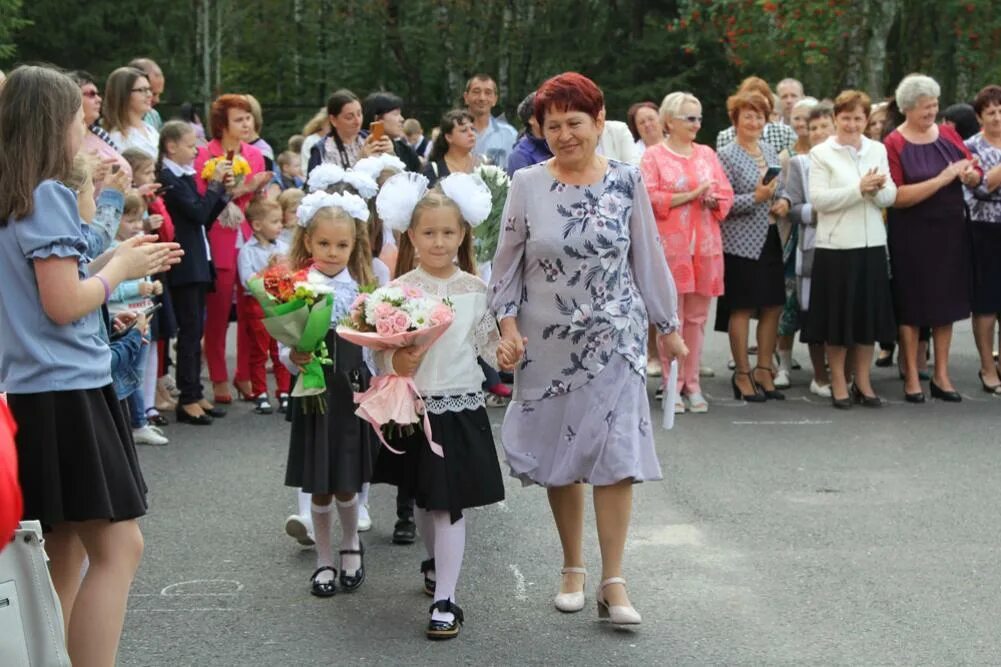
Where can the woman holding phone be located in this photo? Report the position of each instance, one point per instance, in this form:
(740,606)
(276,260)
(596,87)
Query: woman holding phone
(753,273)
(346,144)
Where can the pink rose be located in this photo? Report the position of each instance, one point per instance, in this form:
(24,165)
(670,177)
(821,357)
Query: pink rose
(441,314)
(384,326)
(412,292)
(401,322)
(384,310)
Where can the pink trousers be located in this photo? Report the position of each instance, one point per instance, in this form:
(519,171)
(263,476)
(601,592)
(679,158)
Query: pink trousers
(693,311)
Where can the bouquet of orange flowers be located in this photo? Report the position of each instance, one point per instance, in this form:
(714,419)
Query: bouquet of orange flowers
(297,310)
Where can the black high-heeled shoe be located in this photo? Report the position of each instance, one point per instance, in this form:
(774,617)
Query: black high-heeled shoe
(756,397)
(942,394)
(350,583)
(429,584)
(841,403)
(442,629)
(184,417)
(865,401)
(770,394)
(918,397)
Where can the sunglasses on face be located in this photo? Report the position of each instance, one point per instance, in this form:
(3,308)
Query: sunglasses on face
(90,94)
(691,119)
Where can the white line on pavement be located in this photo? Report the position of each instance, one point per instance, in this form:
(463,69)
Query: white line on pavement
(520,592)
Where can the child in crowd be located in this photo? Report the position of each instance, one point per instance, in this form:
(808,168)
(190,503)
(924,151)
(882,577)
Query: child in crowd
(435,232)
(289,172)
(261,251)
(820,125)
(289,200)
(137,296)
(159,390)
(414,133)
(330,454)
(192,214)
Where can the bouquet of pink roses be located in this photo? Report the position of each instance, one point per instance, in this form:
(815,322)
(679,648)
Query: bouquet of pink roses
(388,318)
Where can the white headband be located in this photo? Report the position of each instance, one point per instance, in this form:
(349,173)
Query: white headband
(375,165)
(351,204)
(327,174)
(400,194)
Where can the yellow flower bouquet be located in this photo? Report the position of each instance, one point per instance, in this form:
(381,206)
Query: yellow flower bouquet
(241,168)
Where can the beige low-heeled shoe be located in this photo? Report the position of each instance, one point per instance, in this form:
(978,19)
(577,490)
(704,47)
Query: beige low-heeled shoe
(616,614)
(571,602)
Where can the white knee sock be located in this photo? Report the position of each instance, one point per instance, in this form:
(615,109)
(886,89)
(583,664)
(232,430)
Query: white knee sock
(363,494)
(348,513)
(322,523)
(449,547)
(149,378)
(425,526)
(785,360)
(305,501)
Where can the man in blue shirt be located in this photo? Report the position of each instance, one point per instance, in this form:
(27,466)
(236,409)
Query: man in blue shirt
(494,136)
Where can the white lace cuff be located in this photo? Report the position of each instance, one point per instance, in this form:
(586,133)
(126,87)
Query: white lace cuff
(438,405)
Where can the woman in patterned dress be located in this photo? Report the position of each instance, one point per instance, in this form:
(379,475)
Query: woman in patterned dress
(577,271)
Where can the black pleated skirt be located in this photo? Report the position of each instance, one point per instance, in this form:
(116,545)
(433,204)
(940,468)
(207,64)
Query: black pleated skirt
(76,458)
(333,452)
(469,475)
(750,284)
(986,244)
(851,302)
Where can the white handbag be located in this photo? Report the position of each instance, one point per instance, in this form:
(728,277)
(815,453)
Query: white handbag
(31,620)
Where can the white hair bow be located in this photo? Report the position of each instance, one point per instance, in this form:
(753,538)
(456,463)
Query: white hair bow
(471,194)
(351,204)
(375,165)
(398,198)
(325,175)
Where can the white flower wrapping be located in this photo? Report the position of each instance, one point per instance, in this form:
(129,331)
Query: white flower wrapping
(315,284)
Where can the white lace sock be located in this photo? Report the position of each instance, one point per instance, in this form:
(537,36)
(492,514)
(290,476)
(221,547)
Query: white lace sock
(425,526)
(348,513)
(305,502)
(363,494)
(785,360)
(449,547)
(322,523)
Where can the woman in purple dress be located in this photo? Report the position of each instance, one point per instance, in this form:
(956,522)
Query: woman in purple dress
(579,271)
(929,245)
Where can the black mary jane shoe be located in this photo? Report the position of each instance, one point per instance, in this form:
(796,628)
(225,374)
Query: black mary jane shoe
(841,403)
(215,412)
(441,629)
(942,394)
(350,583)
(323,589)
(405,531)
(183,417)
(917,397)
(770,394)
(429,584)
(156,419)
(863,400)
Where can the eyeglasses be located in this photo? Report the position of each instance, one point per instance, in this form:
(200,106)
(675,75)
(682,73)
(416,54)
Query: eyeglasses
(691,119)
(144,91)
(90,94)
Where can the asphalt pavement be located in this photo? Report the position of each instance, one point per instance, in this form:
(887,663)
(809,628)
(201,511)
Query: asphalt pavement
(784,533)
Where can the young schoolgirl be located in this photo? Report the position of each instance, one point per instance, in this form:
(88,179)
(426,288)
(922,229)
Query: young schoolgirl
(437,229)
(193,214)
(289,200)
(79,472)
(330,454)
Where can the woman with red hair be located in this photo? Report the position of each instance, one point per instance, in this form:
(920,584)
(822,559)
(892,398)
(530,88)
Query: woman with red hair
(232,124)
(581,294)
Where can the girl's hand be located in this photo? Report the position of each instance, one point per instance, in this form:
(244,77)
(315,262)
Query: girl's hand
(118,181)
(145,289)
(148,191)
(300,359)
(157,288)
(123,320)
(673,346)
(509,354)
(154,222)
(406,360)
(141,257)
(142,323)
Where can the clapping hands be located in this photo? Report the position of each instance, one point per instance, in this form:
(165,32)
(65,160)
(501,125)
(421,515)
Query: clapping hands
(872,182)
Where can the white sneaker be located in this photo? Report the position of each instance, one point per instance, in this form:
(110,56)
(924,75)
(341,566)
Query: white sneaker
(822,390)
(654,368)
(782,379)
(706,372)
(364,520)
(679,406)
(300,529)
(147,436)
(698,404)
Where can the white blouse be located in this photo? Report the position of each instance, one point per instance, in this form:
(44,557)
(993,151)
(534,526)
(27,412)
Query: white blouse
(145,138)
(449,377)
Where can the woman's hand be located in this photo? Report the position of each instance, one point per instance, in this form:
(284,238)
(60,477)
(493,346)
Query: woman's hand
(141,257)
(970,176)
(763,193)
(780,209)
(871,182)
(673,346)
(146,289)
(406,360)
(252,183)
(373,146)
(118,181)
(953,171)
(300,359)
(509,354)
(223,169)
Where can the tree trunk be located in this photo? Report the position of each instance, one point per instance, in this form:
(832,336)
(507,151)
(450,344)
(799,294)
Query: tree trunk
(883,14)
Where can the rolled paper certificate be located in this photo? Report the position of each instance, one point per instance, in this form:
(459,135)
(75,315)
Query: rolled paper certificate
(670,396)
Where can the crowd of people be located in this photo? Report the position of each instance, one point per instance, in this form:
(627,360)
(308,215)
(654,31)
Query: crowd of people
(128,245)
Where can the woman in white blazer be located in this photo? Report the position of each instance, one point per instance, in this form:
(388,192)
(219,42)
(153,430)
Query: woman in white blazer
(851,303)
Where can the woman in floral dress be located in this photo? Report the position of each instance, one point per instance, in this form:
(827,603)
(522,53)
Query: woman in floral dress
(576,273)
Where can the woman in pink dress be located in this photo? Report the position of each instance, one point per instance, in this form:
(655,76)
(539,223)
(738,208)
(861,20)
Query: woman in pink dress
(690,196)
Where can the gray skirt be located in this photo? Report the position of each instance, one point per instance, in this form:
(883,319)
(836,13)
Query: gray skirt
(599,434)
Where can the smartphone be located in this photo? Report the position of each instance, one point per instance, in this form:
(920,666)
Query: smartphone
(230,155)
(163,188)
(115,335)
(115,168)
(771,174)
(148,312)
(377,129)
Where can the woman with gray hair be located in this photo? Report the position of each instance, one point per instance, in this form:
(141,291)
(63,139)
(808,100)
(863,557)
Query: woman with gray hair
(929,244)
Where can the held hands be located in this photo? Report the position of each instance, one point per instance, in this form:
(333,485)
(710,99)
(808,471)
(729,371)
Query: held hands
(872,182)
(142,257)
(300,359)
(970,176)
(764,192)
(406,360)
(673,346)
(510,351)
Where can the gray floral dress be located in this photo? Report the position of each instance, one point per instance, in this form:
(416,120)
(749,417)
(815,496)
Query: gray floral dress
(580,267)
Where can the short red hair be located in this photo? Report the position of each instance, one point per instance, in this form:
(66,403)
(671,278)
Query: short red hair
(569,91)
(219,113)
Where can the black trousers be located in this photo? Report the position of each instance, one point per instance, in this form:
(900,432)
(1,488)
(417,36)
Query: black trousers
(189,309)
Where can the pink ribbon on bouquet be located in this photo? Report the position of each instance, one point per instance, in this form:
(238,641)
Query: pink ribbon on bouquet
(394,398)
